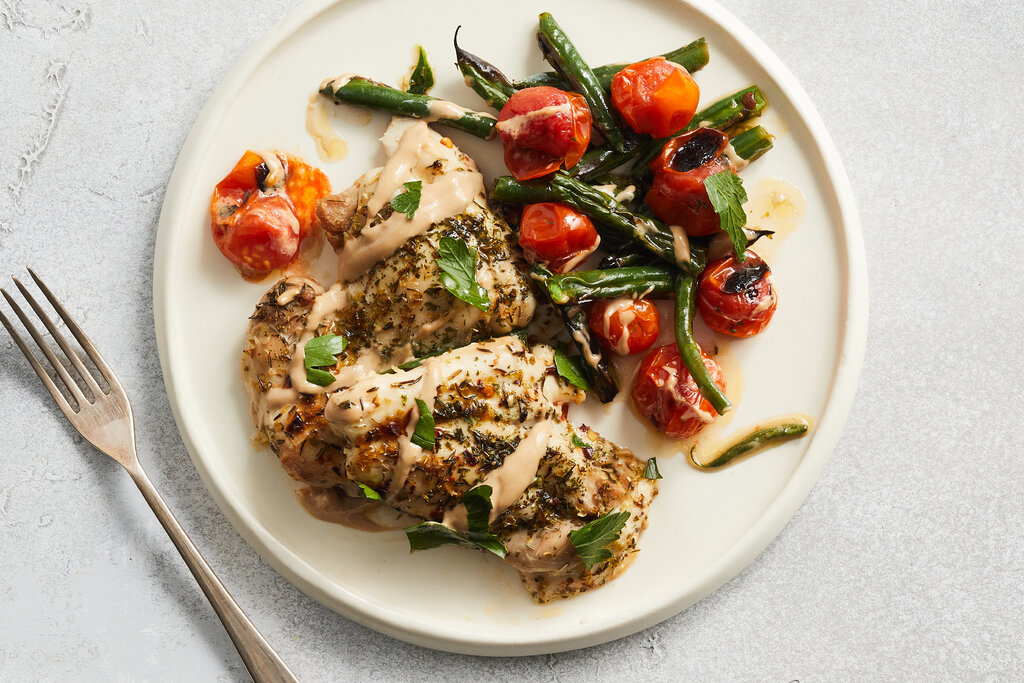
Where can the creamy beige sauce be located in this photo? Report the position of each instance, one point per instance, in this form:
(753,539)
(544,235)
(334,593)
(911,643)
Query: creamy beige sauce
(703,452)
(623,308)
(443,194)
(575,261)
(335,506)
(511,480)
(738,162)
(515,125)
(276,173)
(593,359)
(330,146)
(776,205)
(443,109)
(680,245)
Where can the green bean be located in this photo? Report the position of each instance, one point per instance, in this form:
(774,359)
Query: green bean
(582,286)
(752,143)
(560,53)
(363,91)
(421,80)
(628,256)
(756,439)
(484,78)
(603,382)
(689,350)
(692,57)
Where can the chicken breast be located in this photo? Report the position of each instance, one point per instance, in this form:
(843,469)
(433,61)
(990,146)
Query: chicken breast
(499,406)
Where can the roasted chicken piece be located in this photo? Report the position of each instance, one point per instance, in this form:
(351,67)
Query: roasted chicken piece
(499,409)
(499,406)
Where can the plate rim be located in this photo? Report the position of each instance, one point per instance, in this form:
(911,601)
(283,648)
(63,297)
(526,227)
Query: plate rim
(740,554)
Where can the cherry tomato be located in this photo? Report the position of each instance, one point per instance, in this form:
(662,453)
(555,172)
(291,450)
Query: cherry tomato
(556,235)
(543,129)
(259,214)
(666,394)
(677,195)
(737,298)
(625,325)
(655,96)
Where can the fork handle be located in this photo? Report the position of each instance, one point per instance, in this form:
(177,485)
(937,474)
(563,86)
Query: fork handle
(264,665)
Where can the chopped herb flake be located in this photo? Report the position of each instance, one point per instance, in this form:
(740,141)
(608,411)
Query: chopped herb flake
(651,471)
(424,434)
(571,369)
(458,272)
(725,190)
(322,352)
(407,202)
(591,540)
(368,492)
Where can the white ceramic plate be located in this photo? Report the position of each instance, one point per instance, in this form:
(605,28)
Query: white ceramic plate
(704,528)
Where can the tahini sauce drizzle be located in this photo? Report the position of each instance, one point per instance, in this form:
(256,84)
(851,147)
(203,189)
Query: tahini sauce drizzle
(443,194)
(512,478)
(515,125)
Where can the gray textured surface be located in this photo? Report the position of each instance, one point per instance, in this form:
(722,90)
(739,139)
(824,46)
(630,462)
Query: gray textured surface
(906,562)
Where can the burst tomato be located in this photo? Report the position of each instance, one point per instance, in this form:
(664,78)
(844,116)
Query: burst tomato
(737,298)
(665,393)
(677,195)
(655,96)
(260,214)
(543,129)
(625,325)
(556,235)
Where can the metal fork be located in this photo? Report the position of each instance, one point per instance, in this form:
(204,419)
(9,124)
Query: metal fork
(104,417)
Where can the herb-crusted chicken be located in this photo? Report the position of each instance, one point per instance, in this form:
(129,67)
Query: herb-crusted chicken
(498,405)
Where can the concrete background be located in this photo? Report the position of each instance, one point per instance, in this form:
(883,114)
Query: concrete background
(905,563)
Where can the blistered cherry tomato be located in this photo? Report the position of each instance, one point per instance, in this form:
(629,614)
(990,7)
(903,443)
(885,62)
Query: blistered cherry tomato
(737,298)
(677,195)
(665,393)
(625,325)
(557,235)
(260,212)
(655,96)
(543,129)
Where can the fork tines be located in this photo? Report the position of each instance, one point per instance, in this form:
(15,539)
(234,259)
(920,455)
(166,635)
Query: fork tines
(72,394)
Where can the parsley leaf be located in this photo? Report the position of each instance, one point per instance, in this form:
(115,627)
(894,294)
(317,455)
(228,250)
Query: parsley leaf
(368,492)
(458,272)
(579,443)
(321,352)
(424,434)
(725,190)
(422,78)
(651,471)
(571,369)
(478,510)
(408,201)
(591,540)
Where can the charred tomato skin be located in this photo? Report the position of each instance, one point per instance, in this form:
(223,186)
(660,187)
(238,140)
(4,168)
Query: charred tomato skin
(677,195)
(557,235)
(655,96)
(543,129)
(664,392)
(258,228)
(625,327)
(735,297)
